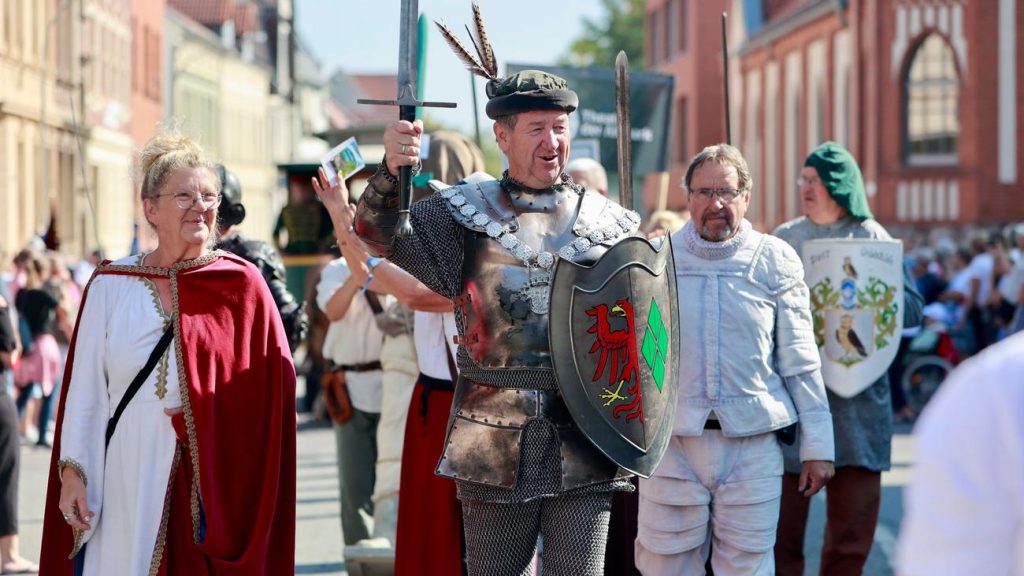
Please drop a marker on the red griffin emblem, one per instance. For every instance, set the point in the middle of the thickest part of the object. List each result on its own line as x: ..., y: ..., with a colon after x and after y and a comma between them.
x: 618, y: 348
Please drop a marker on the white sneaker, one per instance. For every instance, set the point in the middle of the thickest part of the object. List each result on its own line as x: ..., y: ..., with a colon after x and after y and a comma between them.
x: 31, y: 435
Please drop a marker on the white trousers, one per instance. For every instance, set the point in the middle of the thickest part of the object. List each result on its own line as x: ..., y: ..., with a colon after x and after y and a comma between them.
x: 711, y: 495
x: 398, y: 359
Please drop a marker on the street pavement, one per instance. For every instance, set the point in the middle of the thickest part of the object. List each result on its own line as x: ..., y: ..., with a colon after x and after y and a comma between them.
x: 318, y: 531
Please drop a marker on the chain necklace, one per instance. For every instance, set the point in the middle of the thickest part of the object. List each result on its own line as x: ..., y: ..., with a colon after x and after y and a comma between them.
x: 539, y: 265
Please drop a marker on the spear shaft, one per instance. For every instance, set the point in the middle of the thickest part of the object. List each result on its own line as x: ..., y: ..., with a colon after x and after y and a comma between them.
x: 725, y: 76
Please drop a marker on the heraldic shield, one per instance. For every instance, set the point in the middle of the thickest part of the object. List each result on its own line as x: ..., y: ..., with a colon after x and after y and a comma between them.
x: 614, y: 329
x: 856, y: 290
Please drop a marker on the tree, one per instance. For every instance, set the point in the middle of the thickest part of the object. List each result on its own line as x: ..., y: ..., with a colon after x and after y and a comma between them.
x: 622, y: 28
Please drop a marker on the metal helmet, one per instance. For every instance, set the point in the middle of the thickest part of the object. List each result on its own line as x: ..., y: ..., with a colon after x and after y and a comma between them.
x: 231, y: 211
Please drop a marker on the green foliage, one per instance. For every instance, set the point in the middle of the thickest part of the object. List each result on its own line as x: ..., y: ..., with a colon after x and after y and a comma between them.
x: 622, y: 28
x: 880, y: 297
x: 823, y: 295
x: 876, y: 295
x: 850, y: 360
x: 492, y: 154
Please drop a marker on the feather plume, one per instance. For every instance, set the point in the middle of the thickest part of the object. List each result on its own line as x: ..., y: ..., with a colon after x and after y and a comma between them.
x: 483, y: 63
x: 460, y: 50
x: 487, y: 59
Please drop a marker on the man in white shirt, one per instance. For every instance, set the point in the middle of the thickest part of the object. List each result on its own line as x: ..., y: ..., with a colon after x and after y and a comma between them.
x: 981, y: 274
x: 353, y: 343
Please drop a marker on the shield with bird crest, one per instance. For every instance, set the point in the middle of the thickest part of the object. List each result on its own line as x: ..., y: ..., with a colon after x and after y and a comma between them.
x: 614, y: 329
x: 856, y: 288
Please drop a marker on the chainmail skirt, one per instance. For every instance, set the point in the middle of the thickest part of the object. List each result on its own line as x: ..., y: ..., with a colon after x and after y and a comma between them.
x: 501, y: 539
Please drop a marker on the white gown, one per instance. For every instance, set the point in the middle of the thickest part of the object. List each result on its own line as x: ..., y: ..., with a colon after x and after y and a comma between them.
x: 127, y: 484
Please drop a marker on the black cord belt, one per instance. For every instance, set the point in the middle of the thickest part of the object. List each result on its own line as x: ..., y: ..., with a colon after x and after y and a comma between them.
x: 431, y: 385
x: 362, y: 367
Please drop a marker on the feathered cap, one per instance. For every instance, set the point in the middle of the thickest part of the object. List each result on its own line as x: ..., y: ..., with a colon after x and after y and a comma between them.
x: 522, y: 92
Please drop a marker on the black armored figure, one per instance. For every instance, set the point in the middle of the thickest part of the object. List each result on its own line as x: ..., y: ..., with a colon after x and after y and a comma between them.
x: 230, y: 214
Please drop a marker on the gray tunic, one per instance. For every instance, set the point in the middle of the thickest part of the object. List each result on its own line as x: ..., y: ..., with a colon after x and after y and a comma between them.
x: 863, y: 424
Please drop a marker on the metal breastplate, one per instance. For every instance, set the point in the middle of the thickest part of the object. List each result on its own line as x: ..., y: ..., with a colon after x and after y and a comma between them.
x: 505, y: 325
x: 506, y: 316
x: 509, y: 260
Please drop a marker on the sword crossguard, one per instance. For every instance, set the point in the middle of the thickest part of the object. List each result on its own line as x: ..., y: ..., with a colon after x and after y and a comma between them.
x: 407, y: 105
x: 406, y: 98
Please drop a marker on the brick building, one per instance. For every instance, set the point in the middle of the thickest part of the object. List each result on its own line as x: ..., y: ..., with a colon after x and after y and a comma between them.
x: 925, y: 93
x: 684, y: 39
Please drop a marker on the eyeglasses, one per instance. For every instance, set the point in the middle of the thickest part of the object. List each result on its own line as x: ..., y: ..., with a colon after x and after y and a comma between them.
x: 802, y: 181
x: 184, y: 200
x: 725, y: 194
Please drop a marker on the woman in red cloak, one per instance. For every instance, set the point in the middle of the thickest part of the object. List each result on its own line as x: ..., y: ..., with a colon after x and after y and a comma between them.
x: 197, y: 476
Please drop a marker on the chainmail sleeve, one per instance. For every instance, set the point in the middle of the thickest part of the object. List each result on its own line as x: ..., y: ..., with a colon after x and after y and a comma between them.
x: 433, y: 253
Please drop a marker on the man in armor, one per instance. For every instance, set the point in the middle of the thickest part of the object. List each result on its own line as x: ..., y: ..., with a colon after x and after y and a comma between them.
x: 521, y: 465
x: 261, y: 254
x: 749, y: 370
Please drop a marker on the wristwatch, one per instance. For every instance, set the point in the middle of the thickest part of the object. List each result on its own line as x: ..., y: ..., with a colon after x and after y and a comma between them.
x: 373, y: 261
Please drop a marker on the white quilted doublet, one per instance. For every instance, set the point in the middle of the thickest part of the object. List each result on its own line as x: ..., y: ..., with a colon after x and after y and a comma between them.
x: 776, y: 266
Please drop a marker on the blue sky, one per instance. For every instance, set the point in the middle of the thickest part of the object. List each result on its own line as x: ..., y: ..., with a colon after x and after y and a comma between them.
x: 361, y: 36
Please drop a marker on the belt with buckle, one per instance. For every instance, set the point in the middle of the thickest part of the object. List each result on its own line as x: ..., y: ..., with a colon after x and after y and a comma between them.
x: 361, y: 367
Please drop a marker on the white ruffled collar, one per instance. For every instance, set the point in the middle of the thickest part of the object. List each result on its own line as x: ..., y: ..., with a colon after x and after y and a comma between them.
x: 714, y: 250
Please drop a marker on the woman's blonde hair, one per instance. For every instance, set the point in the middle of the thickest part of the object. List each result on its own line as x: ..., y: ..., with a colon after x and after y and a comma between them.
x: 165, y: 153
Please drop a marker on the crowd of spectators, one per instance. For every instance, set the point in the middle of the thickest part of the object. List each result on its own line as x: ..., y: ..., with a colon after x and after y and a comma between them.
x: 45, y: 291
x: 973, y: 288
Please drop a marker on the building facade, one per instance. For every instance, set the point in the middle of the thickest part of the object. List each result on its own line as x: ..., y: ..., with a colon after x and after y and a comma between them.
x: 684, y: 39
x: 38, y: 146
x: 148, y: 76
x: 88, y: 82
x: 925, y: 93
x: 220, y: 94
x: 107, y: 117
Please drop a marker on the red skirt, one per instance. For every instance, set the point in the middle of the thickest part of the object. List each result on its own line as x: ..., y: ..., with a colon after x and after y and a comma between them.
x: 429, y: 538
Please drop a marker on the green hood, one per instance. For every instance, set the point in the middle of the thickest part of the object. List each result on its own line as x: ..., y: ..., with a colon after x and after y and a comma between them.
x: 841, y: 176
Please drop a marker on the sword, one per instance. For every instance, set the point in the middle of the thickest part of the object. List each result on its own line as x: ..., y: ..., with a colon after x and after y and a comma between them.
x: 406, y: 101
x: 624, y: 143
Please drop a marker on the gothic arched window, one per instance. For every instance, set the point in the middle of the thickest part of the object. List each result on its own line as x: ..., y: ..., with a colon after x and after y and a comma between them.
x: 931, y: 91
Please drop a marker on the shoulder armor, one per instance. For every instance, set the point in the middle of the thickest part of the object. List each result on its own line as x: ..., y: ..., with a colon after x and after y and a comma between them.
x: 264, y: 253
x: 775, y: 267
x: 602, y: 221
x: 257, y: 252
x: 475, y: 205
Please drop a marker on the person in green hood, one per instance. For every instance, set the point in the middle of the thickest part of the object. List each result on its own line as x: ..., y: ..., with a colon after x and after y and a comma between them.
x: 835, y: 206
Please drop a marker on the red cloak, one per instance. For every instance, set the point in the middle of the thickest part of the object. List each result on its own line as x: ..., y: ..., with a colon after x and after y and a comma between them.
x: 237, y: 433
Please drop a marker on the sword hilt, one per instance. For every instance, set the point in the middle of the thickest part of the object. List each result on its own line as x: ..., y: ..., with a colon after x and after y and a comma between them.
x: 407, y: 105
x: 404, y: 227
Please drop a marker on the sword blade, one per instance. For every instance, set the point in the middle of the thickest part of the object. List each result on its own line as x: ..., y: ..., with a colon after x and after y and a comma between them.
x: 624, y: 140
x: 406, y: 100
x: 408, y: 46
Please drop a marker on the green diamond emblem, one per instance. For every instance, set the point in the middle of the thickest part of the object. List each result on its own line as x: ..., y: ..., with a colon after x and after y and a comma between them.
x: 649, y: 350
x: 655, y: 345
